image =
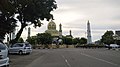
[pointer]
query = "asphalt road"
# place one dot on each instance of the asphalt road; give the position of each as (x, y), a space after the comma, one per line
(69, 57)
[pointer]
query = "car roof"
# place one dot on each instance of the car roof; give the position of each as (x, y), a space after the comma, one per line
(19, 43)
(113, 44)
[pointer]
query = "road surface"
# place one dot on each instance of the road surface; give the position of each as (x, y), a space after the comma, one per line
(73, 57)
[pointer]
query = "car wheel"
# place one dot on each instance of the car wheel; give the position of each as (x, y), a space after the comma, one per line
(20, 52)
(6, 66)
(28, 53)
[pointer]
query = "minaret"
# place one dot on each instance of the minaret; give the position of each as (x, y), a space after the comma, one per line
(29, 32)
(70, 33)
(60, 30)
(13, 35)
(89, 40)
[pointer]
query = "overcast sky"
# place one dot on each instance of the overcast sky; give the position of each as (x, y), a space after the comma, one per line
(73, 15)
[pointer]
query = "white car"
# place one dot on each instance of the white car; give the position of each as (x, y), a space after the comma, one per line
(20, 48)
(4, 59)
(114, 46)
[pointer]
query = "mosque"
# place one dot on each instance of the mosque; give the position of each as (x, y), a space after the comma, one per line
(51, 29)
(57, 35)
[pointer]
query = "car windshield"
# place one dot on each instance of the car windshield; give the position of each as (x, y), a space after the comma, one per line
(18, 45)
(2, 46)
(27, 45)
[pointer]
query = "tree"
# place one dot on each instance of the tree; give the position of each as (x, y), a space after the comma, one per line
(32, 40)
(79, 40)
(67, 40)
(107, 38)
(28, 12)
(76, 40)
(20, 40)
(44, 38)
(7, 20)
(83, 41)
(32, 12)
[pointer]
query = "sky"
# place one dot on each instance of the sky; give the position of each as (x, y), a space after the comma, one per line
(103, 15)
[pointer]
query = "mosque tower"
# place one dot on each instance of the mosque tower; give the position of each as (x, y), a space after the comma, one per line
(13, 35)
(89, 39)
(60, 30)
(29, 29)
(70, 33)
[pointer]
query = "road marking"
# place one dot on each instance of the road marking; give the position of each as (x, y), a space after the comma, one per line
(100, 59)
(66, 61)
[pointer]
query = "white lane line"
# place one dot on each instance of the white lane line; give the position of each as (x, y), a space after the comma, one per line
(66, 61)
(100, 59)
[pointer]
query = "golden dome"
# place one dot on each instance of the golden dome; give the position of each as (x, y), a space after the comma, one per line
(52, 29)
(51, 25)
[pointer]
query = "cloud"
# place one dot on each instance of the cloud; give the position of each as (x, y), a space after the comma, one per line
(74, 14)
(103, 15)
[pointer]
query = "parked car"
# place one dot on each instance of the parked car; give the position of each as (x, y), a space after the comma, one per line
(112, 46)
(20, 48)
(4, 59)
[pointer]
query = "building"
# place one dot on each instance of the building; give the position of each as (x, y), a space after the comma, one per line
(89, 38)
(117, 33)
(51, 29)
(60, 30)
(29, 30)
(70, 34)
(117, 37)
(13, 35)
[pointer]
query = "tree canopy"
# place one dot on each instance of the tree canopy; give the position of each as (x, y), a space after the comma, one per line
(28, 12)
(83, 41)
(107, 38)
(32, 11)
(79, 41)
(67, 40)
(44, 38)
(20, 40)
(7, 20)
(76, 41)
(32, 40)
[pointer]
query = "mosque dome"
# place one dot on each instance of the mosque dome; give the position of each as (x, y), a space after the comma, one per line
(52, 29)
(51, 25)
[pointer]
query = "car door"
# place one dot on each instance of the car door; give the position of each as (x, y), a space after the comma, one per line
(15, 48)
(3, 51)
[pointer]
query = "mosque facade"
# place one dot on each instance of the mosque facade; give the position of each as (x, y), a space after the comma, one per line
(51, 29)
(57, 35)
